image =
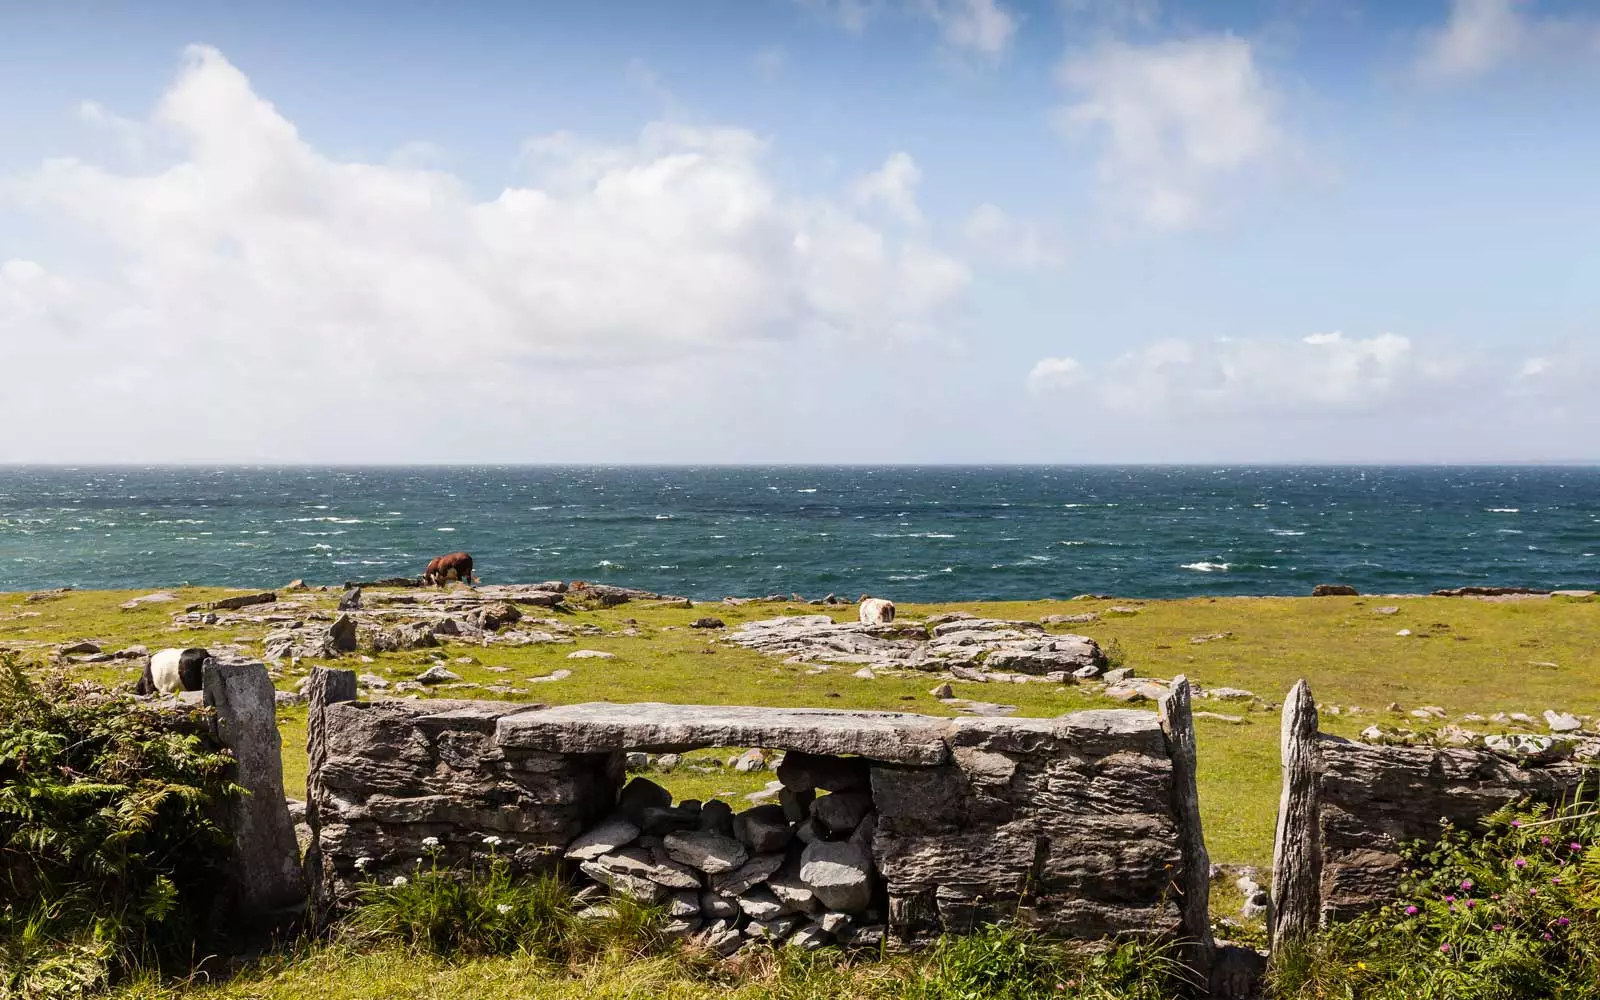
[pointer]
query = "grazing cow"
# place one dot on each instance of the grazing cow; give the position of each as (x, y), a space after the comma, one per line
(169, 671)
(876, 611)
(455, 566)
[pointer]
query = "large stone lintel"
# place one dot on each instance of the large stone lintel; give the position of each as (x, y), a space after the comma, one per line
(599, 727)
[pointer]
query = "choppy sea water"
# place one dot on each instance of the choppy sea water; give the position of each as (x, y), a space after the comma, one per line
(940, 533)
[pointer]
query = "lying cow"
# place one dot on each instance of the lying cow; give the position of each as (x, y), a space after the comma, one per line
(876, 611)
(169, 671)
(455, 566)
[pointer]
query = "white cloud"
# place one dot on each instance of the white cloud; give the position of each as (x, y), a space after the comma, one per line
(981, 26)
(257, 275)
(1481, 36)
(1178, 118)
(1054, 374)
(1323, 374)
(894, 186)
(990, 231)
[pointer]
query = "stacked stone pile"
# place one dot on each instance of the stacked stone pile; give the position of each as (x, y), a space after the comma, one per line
(799, 870)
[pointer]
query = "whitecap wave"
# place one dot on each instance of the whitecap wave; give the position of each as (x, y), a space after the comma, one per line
(1206, 567)
(1503, 510)
(1285, 532)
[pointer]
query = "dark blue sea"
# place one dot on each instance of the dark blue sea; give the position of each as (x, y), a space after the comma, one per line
(940, 533)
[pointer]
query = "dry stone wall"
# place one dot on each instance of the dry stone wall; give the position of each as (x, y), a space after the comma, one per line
(886, 824)
(1349, 809)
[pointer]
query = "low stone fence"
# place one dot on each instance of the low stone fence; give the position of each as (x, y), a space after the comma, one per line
(886, 824)
(1348, 809)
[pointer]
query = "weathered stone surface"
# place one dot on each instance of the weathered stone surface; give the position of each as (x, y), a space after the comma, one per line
(342, 634)
(265, 853)
(718, 906)
(653, 865)
(710, 852)
(604, 839)
(757, 869)
(1374, 799)
(1561, 722)
(759, 903)
(438, 675)
(641, 794)
(634, 886)
(839, 875)
(598, 727)
(764, 829)
(838, 815)
(810, 938)
(350, 600)
(159, 597)
(1334, 590)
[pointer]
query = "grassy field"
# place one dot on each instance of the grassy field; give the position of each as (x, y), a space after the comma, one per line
(1464, 655)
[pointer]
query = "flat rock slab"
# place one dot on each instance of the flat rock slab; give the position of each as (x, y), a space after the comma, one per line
(599, 727)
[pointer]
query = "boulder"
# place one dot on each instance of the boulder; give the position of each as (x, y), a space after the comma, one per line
(750, 761)
(1334, 590)
(350, 600)
(590, 654)
(342, 634)
(243, 601)
(1561, 722)
(708, 623)
(438, 675)
(839, 874)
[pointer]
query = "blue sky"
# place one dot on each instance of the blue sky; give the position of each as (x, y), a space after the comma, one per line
(801, 230)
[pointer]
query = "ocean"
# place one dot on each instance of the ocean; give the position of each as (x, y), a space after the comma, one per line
(913, 534)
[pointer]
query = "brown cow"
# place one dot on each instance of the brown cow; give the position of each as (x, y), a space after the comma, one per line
(455, 566)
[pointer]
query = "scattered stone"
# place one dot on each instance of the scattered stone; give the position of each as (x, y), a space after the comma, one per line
(243, 601)
(1534, 749)
(350, 600)
(84, 646)
(342, 634)
(1230, 694)
(590, 654)
(1386, 610)
(372, 681)
(1083, 619)
(159, 597)
(1334, 590)
(750, 761)
(1118, 675)
(1122, 610)
(866, 674)
(554, 675)
(668, 762)
(438, 675)
(1561, 722)
(1404, 631)
(943, 691)
(708, 622)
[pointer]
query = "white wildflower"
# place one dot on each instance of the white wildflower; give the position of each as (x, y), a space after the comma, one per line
(430, 842)
(399, 881)
(504, 908)
(362, 864)
(492, 841)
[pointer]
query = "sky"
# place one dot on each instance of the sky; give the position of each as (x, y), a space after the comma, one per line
(812, 231)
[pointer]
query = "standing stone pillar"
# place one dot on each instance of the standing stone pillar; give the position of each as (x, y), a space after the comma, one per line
(327, 687)
(1297, 847)
(270, 890)
(1177, 724)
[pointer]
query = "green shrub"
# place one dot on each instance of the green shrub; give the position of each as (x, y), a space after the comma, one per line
(1005, 962)
(110, 844)
(1508, 913)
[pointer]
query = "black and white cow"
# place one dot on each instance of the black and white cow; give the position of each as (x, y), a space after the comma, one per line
(169, 671)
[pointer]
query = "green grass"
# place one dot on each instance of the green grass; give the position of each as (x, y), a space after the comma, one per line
(1465, 655)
